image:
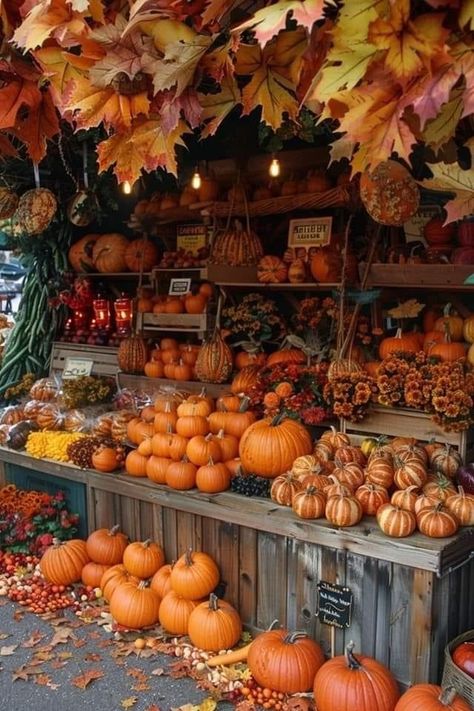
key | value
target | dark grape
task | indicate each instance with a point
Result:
(251, 485)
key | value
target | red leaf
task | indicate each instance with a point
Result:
(17, 94)
(39, 125)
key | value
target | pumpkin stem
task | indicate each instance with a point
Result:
(277, 419)
(184, 459)
(352, 661)
(447, 696)
(114, 530)
(447, 309)
(146, 544)
(273, 625)
(213, 602)
(461, 491)
(291, 637)
(188, 557)
(244, 404)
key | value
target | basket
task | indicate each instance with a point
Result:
(453, 675)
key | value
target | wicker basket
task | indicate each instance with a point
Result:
(453, 675)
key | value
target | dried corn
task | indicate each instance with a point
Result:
(51, 445)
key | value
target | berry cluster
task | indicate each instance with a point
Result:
(263, 696)
(251, 486)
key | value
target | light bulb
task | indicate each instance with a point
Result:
(196, 180)
(274, 169)
(126, 188)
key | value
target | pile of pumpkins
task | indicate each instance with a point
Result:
(404, 484)
(142, 590)
(112, 253)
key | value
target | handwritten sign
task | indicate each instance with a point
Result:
(309, 232)
(77, 367)
(334, 604)
(192, 238)
(178, 287)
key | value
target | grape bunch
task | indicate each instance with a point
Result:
(251, 485)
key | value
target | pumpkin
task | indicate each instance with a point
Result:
(309, 502)
(228, 444)
(437, 522)
(468, 329)
(213, 478)
(269, 447)
(405, 498)
(463, 657)
(284, 487)
(286, 355)
(214, 361)
(165, 421)
(297, 272)
(62, 562)
(231, 403)
(272, 270)
(194, 575)
(389, 194)
(347, 683)
(157, 469)
(36, 208)
(135, 464)
(395, 522)
(430, 697)
(425, 501)
(380, 471)
(326, 265)
(247, 358)
(214, 625)
(143, 558)
(436, 233)
(132, 354)
(409, 472)
(161, 582)
(336, 439)
(306, 466)
(334, 488)
(175, 612)
(112, 578)
(462, 506)
(431, 339)
(448, 350)
(439, 486)
(154, 369)
(8, 203)
(181, 475)
(446, 461)
(233, 423)
(284, 661)
(371, 497)
(106, 545)
(350, 475)
(107, 459)
(348, 453)
(324, 451)
(92, 573)
(80, 253)
(400, 343)
(192, 426)
(190, 408)
(343, 510)
(236, 246)
(141, 255)
(108, 253)
(245, 379)
(200, 450)
(450, 322)
(135, 606)
(195, 304)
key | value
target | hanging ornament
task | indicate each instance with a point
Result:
(8, 203)
(390, 194)
(82, 208)
(36, 208)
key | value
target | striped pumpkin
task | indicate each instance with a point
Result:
(214, 361)
(396, 522)
(132, 354)
(410, 472)
(237, 246)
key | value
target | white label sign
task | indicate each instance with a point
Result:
(75, 367)
(178, 287)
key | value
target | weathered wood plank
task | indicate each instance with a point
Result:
(354, 580)
(3, 474)
(229, 560)
(170, 536)
(368, 602)
(146, 520)
(420, 639)
(185, 531)
(129, 517)
(307, 559)
(104, 510)
(271, 580)
(400, 622)
(247, 576)
(384, 579)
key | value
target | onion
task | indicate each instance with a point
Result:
(465, 477)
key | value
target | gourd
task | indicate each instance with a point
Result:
(214, 361)
(245, 379)
(437, 522)
(8, 203)
(462, 506)
(389, 194)
(284, 487)
(36, 208)
(371, 498)
(132, 354)
(234, 657)
(272, 270)
(135, 606)
(343, 510)
(214, 625)
(236, 246)
(106, 545)
(400, 343)
(80, 253)
(309, 503)
(286, 355)
(396, 522)
(143, 559)
(326, 265)
(107, 459)
(62, 563)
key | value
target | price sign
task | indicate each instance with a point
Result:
(192, 238)
(334, 604)
(178, 287)
(77, 367)
(311, 232)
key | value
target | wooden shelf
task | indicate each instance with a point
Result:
(192, 386)
(420, 276)
(309, 286)
(114, 275)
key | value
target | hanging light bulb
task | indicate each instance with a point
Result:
(196, 179)
(274, 169)
(126, 188)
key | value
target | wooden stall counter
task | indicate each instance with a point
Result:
(410, 596)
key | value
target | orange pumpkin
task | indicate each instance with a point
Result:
(326, 265)
(108, 253)
(450, 320)
(80, 253)
(401, 342)
(195, 304)
(389, 193)
(272, 270)
(141, 255)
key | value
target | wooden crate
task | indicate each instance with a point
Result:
(403, 422)
(188, 323)
(104, 357)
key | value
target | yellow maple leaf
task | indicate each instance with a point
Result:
(408, 309)
(178, 66)
(441, 129)
(50, 18)
(466, 14)
(216, 107)
(452, 178)
(91, 106)
(269, 21)
(128, 703)
(207, 705)
(61, 74)
(274, 73)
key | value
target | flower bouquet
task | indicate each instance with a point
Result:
(255, 319)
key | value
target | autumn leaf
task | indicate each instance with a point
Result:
(172, 108)
(43, 680)
(7, 149)
(83, 680)
(274, 73)
(61, 636)
(408, 309)
(128, 703)
(61, 73)
(15, 95)
(410, 44)
(92, 106)
(216, 107)
(178, 66)
(38, 125)
(126, 54)
(269, 21)
(50, 18)
(7, 651)
(452, 178)
(33, 640)
(216, 9)
(91, 8)
(466, 15)
(440, 130)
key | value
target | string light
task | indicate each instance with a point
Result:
(126, 188)
(274, 169)
(196, 180)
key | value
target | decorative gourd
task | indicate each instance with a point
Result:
(113, 577)
(92, 573)
(450, 320)
(389, 194)
(468, 329)
(350, 475)
(284, 487)
(108, 253)
(335, 438)
(284, 661)
(272, 270)
(8, 203)
(430, 697)
(371, 498)
(396, 522)
(245, 379)
(347, 683)
(106, 545)
(347, 454)
(436, 233)
(62, 562)
(343, 510)
(437, 522)
(194, 575)
(175, 612)
(141, 255)
(409, 472)
(236, 246)
(400, 343)
(380, 471)
(324, 451)
(309, 502)
(213, 478)
(80, 253)
(36, 208)
(132, 354)
(439, 486)
(143, 559)
(306, 466)
(446, 461)
(269, 447)
(462, 506)
(161, 581)
(135, 606)
(247, 358)
(405, 498)
(214, 361)
(426, 501)
(214, 625)
(297, 272)
(181, 475)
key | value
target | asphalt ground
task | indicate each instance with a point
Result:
(41, 661)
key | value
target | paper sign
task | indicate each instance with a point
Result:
(310, 232)
(414, 227)
(334, 604)
(191, 238)
(178, 287)
(76, 367)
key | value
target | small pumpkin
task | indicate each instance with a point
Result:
(245, 379)
(175, 612)
(405, 498)
(135, 606)
(213, 478)
(462, 506)
(396, 522)
(284, 487)
(141, 255)
(80, 253)
(194, 575)
(335, 438)
(371, 497)
(143, 558)
(430, 697)
(343, 510)
(437, 522)
(161, 582)
(446, 461)
(399, 343)
(62, 562)
(106, 545)
(272, 270)
(309, 503)
(114, 576)
(92, 573)
(181, 475)
(214, 625)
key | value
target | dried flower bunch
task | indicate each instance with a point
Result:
(350, 395)
(256, 319)
(87, 390)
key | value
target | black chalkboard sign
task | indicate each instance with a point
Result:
(334, 604)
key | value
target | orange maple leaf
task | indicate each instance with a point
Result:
(37, 125)
(60, 72)
(18, 93)
(7, 150)
(90, 106)
(83, 680)
(269, 21)
(51, 18)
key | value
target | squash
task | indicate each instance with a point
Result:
(132, 355)
(141, 255)
(236, 246)
(108, 253)
(8, 203)
(272, 270)
(36, 208)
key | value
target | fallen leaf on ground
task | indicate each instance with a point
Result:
(128, 703)
(80, 643)
(62, 635)
(4, 635)
(153, 707)
(159, 671)
(92, 657)
(141, 686)
(137, 674)
(6, 651)
(33, 640)
(42, 655)
(180, 668)
(83, 680)
(24, 672)
(18, 615)
(207, 705)
(43, 680)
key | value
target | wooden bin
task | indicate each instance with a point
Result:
(189, 323)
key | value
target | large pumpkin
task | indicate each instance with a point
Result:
(135, 606)
(62, 563)
(269, 447)
(347, 683)
(214, 625)
(80, 253)
(399, 343)
(141, 255)
(106, 545)
(108, 253)
(430, 697)
(389, 193)
(285, 661)
(326, 265)
(194, 575)
(36, 209)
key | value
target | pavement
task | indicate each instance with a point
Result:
(65, 663)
